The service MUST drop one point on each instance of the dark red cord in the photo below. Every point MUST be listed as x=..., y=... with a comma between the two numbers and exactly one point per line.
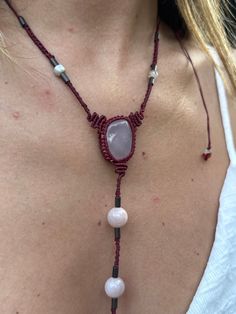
x=137, y=117
x=42, y=48
x=199, y=86
x=117, y=254
x=38, y=43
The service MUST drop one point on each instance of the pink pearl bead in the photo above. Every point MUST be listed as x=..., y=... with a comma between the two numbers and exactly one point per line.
x=117, y=217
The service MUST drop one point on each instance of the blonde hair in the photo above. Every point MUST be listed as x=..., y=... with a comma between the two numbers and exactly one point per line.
x=206, y=21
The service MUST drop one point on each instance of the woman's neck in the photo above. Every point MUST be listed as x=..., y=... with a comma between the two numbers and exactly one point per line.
x=98, y=19
x=118, y=28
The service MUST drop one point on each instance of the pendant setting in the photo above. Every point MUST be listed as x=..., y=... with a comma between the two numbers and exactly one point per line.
x=117, y=139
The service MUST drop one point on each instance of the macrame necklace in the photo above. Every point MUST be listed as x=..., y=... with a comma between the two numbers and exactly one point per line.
x=117, y=142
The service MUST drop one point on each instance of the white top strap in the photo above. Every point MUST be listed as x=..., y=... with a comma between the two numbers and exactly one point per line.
x=225, y=118
x=224, y=109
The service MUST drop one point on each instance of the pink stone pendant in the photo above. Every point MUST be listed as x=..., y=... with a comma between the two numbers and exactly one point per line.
x=117, y=139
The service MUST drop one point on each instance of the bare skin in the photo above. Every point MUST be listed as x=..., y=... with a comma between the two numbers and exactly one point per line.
x=56, y=188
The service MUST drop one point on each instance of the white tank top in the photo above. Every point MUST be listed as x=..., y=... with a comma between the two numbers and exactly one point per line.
x=216, y=293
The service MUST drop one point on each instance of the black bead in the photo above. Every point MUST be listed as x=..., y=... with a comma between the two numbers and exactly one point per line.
x=114, y=303
x=115, y=272
x=64, y=77
x=117, y=233
x=22, y=21
x=151, y=80
x=153, y=66
x=53, y=61
x=118, y=201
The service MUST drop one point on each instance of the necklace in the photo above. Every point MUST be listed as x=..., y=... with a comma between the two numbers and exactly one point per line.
x=117, y=143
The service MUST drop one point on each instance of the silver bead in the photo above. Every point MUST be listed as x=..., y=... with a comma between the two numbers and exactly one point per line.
x=59, y=69
x=153, y=74
x=207, y=151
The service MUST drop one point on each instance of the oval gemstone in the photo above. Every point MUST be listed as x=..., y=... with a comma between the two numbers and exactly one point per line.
x=119, y=138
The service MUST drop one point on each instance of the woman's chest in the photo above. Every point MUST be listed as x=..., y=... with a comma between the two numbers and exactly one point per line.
x=56, y=189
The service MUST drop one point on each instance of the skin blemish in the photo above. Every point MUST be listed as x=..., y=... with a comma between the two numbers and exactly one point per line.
x=6, y=82
x=71, y=29
x=43, y=223
x=16, y=114
x=144, y=155
x=197, y=253
x=47, y=100
x=47, y=92
x=38, y=295
x=105, y=205
x=156, y=199
x=192, y=179
x=163, y=224
x=99, y=223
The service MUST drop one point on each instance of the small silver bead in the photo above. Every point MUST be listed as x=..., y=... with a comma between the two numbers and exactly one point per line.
x=206, y=151
x=59, y=69
x=153, y=74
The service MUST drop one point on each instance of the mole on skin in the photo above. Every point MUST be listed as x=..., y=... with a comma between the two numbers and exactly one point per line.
x=144, y=155
x=47, y=92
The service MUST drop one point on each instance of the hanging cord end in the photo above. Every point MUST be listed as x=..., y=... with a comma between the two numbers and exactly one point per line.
x=207, y=153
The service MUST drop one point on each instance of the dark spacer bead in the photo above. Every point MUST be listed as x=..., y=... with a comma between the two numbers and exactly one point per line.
x=64, y=77
x=153, y=66
x=22, y=21
x=118, y=201
x=114, y=303
x=117, y=233
x=53, y=61
x=115, y=272
x=151, y=80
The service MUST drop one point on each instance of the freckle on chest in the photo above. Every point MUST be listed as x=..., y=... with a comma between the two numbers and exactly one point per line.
x=16, y=115
x=47, y=92
x=144, y=155
x=47, y=100
x=71, y=29
x=156, y=199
